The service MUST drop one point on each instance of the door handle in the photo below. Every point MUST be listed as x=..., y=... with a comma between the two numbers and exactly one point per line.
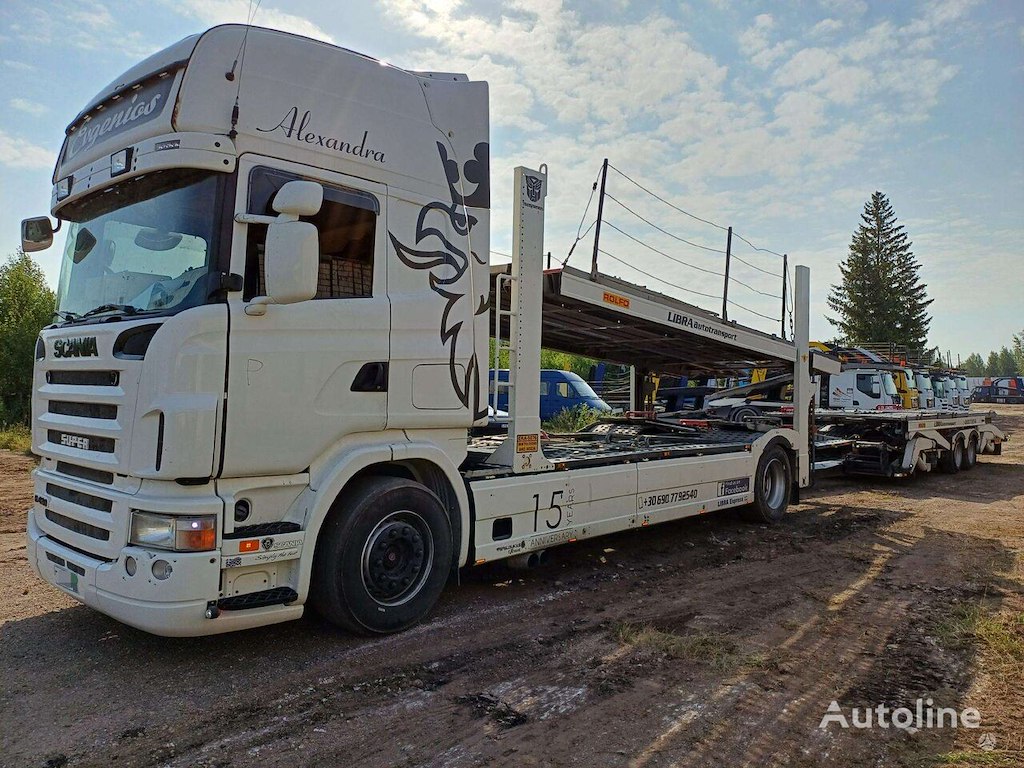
x=372, y=377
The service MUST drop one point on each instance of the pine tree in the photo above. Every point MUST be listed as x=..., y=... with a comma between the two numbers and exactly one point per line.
x=1007, y=364
x=1018, y=350
x=974, y=365
x=881, y=297
x=992, y=364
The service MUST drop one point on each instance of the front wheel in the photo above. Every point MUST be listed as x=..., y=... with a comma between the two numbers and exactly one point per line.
x=771, y=487
x=383, y=559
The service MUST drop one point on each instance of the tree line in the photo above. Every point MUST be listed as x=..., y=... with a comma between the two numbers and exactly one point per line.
x=1008, y=361
x=26, y=306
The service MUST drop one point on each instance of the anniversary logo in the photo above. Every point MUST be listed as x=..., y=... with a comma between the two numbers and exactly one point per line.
x=294, y=127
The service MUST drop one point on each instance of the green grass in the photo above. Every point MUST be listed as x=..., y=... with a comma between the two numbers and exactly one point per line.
x=1001, y=636
x=572, y=419
x=707, y=647
x=16, y=437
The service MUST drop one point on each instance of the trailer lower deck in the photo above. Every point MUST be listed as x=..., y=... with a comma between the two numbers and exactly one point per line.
x=900, y=443
x=617, y=441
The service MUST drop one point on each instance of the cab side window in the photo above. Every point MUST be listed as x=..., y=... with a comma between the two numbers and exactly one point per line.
x=347, y=225
x=864, y=382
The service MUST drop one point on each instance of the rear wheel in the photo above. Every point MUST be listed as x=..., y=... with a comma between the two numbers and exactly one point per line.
x=771, y=487
x=970, y=452
x=952, y=460
x=382, y=561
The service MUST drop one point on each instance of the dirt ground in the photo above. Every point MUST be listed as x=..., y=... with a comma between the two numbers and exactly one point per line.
x=703, y=642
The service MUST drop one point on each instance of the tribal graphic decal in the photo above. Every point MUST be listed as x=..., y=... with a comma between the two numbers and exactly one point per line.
x=449, y=266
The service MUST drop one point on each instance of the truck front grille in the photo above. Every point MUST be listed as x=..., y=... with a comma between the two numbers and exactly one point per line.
x=82, y=442
x=83, y=410
x=85, y=473
x=80, y=498
x=78, y=526
x=84, y=378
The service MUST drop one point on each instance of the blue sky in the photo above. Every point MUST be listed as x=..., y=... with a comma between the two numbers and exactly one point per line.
x=777, y=119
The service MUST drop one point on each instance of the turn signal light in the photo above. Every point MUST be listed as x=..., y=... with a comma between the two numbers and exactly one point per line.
x=249, y=545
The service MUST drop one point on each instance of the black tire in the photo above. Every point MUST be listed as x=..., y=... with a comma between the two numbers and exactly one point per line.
x=382, y=559
x=743, y=412
x=772, y=482
x=970, y=453
x=951, y=460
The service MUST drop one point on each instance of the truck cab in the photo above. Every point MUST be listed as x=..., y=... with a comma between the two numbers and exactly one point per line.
x=947, y=396
x=925, y=389
x=907, y=387
x=862, y=389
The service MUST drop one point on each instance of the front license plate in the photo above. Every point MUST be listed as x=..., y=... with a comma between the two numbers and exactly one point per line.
x=66, y=578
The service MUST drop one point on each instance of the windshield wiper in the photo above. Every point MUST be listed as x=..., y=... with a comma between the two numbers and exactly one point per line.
x=66, y=316
x=127, y=309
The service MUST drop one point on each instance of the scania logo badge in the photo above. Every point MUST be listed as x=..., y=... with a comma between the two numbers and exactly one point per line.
x=84, y=346
x=267, y=543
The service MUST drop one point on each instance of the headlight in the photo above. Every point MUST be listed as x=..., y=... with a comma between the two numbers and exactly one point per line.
x=181, y=534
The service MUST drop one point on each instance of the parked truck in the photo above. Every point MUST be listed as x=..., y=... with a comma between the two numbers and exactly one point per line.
x=272, y=345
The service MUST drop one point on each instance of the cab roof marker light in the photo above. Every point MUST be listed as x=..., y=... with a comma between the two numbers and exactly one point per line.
x=120, y=162
x=64, y=187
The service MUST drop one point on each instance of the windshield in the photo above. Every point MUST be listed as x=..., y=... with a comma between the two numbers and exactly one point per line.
x=147, y=244
x=923, y=382
x=940, y=387
x=888, y=385
x=583, y=389
x=910, y=378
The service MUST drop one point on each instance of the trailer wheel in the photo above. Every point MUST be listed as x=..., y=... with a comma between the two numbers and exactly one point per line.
x=382, y=561
x=970, y=452
x=952, y=460
x=771, y=487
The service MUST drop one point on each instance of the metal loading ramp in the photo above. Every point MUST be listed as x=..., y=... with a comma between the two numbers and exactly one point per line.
x=610, y=319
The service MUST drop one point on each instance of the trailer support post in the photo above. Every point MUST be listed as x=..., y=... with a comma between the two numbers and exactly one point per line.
x=521, y=450
x=600, y=214
x=725, y=287
x=785, y=271
x=802, y=373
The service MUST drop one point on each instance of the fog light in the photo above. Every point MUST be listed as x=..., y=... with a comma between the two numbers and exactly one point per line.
x=130, y=565
x=162, y=569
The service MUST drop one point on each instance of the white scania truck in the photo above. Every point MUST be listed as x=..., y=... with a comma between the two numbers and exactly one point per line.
x=274, y=310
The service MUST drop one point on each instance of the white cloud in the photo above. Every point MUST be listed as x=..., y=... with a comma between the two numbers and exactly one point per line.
x=29, y=107
x=19, y=153
x=826, y=27
x=23, y=66
x=213, y=12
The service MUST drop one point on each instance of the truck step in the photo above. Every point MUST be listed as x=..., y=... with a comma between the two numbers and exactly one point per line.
x=275, y=596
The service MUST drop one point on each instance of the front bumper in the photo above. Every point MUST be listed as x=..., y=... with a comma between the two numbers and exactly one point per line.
x=174, y=607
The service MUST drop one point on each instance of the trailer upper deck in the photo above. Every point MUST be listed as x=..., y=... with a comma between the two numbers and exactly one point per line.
x=611, y=319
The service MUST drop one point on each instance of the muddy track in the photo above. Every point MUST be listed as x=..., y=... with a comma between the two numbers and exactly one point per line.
x=700, y=642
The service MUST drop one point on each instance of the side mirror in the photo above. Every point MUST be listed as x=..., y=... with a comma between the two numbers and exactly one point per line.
x=291, y=264
x=36, y=234
x=291, y=258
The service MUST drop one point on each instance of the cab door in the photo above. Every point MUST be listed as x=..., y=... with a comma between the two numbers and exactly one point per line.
x=304, y=375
